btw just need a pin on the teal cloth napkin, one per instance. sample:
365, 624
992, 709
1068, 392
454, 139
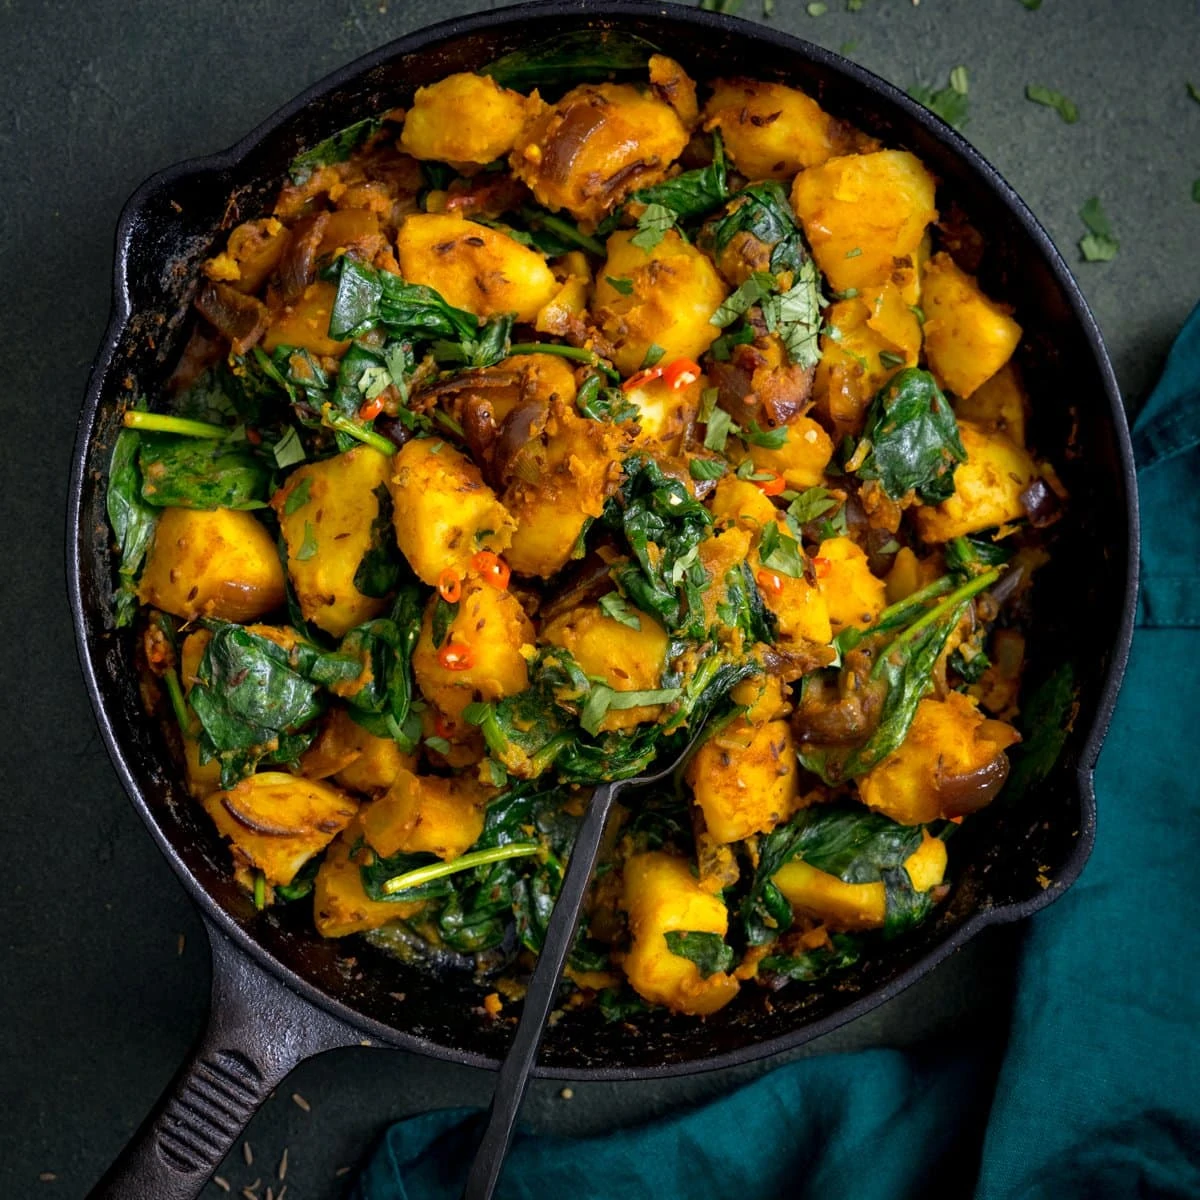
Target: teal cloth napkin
1098, 1090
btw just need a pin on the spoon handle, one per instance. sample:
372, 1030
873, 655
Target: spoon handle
513, 1078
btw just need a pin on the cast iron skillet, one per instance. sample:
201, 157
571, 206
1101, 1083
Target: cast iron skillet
280, 992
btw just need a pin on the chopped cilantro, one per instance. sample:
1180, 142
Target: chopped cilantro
1099, 245
769, 439
958, 80
817, 9
309, 546
1052, 99
810, 505
652, 226
720, 426
854, 253
949, 103
780, 552
889, 359
613, 605
620, 284
654, 353
706, 468
298, 497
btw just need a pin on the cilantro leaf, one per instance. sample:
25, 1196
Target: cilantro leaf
1052, 99
707, 950
948, 103
1099, 245
781, 552
652, 226
614, 605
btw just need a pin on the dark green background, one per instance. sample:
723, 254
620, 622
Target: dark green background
97, 1004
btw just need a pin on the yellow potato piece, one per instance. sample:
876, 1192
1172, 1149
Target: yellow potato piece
577, 470
764, 698
998, 405
465, 119
856, 905
853, 596
798, 606
443, 512
341, 906
596, 145
742, 504
628, 660
665, 413
326, 510
968, 337
948, 738
305, 324
356, 758
474, 267
212, 564
675, 291
494, 628
771, 131
425, 814
661, 896
864, 212
802, 458
987, 487
277, 822
744, 779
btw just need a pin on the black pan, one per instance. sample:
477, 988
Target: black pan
280, 992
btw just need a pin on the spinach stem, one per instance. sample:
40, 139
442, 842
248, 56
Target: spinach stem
942, 584
260, 890
178, 703
477, 858
150, 422
564, 229
978, 584
343, 424
576, 352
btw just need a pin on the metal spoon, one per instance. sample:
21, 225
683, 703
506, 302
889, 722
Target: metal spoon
513, 1078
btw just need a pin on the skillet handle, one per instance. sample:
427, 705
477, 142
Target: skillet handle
258, 1030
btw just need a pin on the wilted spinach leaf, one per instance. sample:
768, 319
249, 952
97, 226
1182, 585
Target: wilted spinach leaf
691, 193
707, 950
913, 438
132, 521
653, 509
760, 213
843, 951
589, 56
252, 704
1046, 717
186, 472
381, 567
969, 556
334, 149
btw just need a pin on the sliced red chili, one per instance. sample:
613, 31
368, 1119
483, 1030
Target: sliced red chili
640, 377
769, 581
371, 409
253, 436
772, 486
450, 586
494, 571
822, 566
680, 373
456, 656
443, 726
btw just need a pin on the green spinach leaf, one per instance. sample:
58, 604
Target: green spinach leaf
913, 438
334, 149
707, 950
184, 472
132, 521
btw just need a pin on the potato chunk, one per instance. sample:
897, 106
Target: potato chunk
666, 414
326, 511
849, 906
997, 406
426, 814
987, 487
771, 131
968, 337
802, 458
221, 563
661, 896
277, 822
596, 145
742, 504
341, 906
494, 628
628, 660
798, 606
676, 289
877, 334
952, 762
356, 758
474, 267
862, 213
719, 555
304, 325
465, 120
571, 466
443, 511
853, 596
743, 779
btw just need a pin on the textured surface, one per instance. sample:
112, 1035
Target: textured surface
98, 1004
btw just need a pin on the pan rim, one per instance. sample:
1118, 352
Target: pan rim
613, 10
